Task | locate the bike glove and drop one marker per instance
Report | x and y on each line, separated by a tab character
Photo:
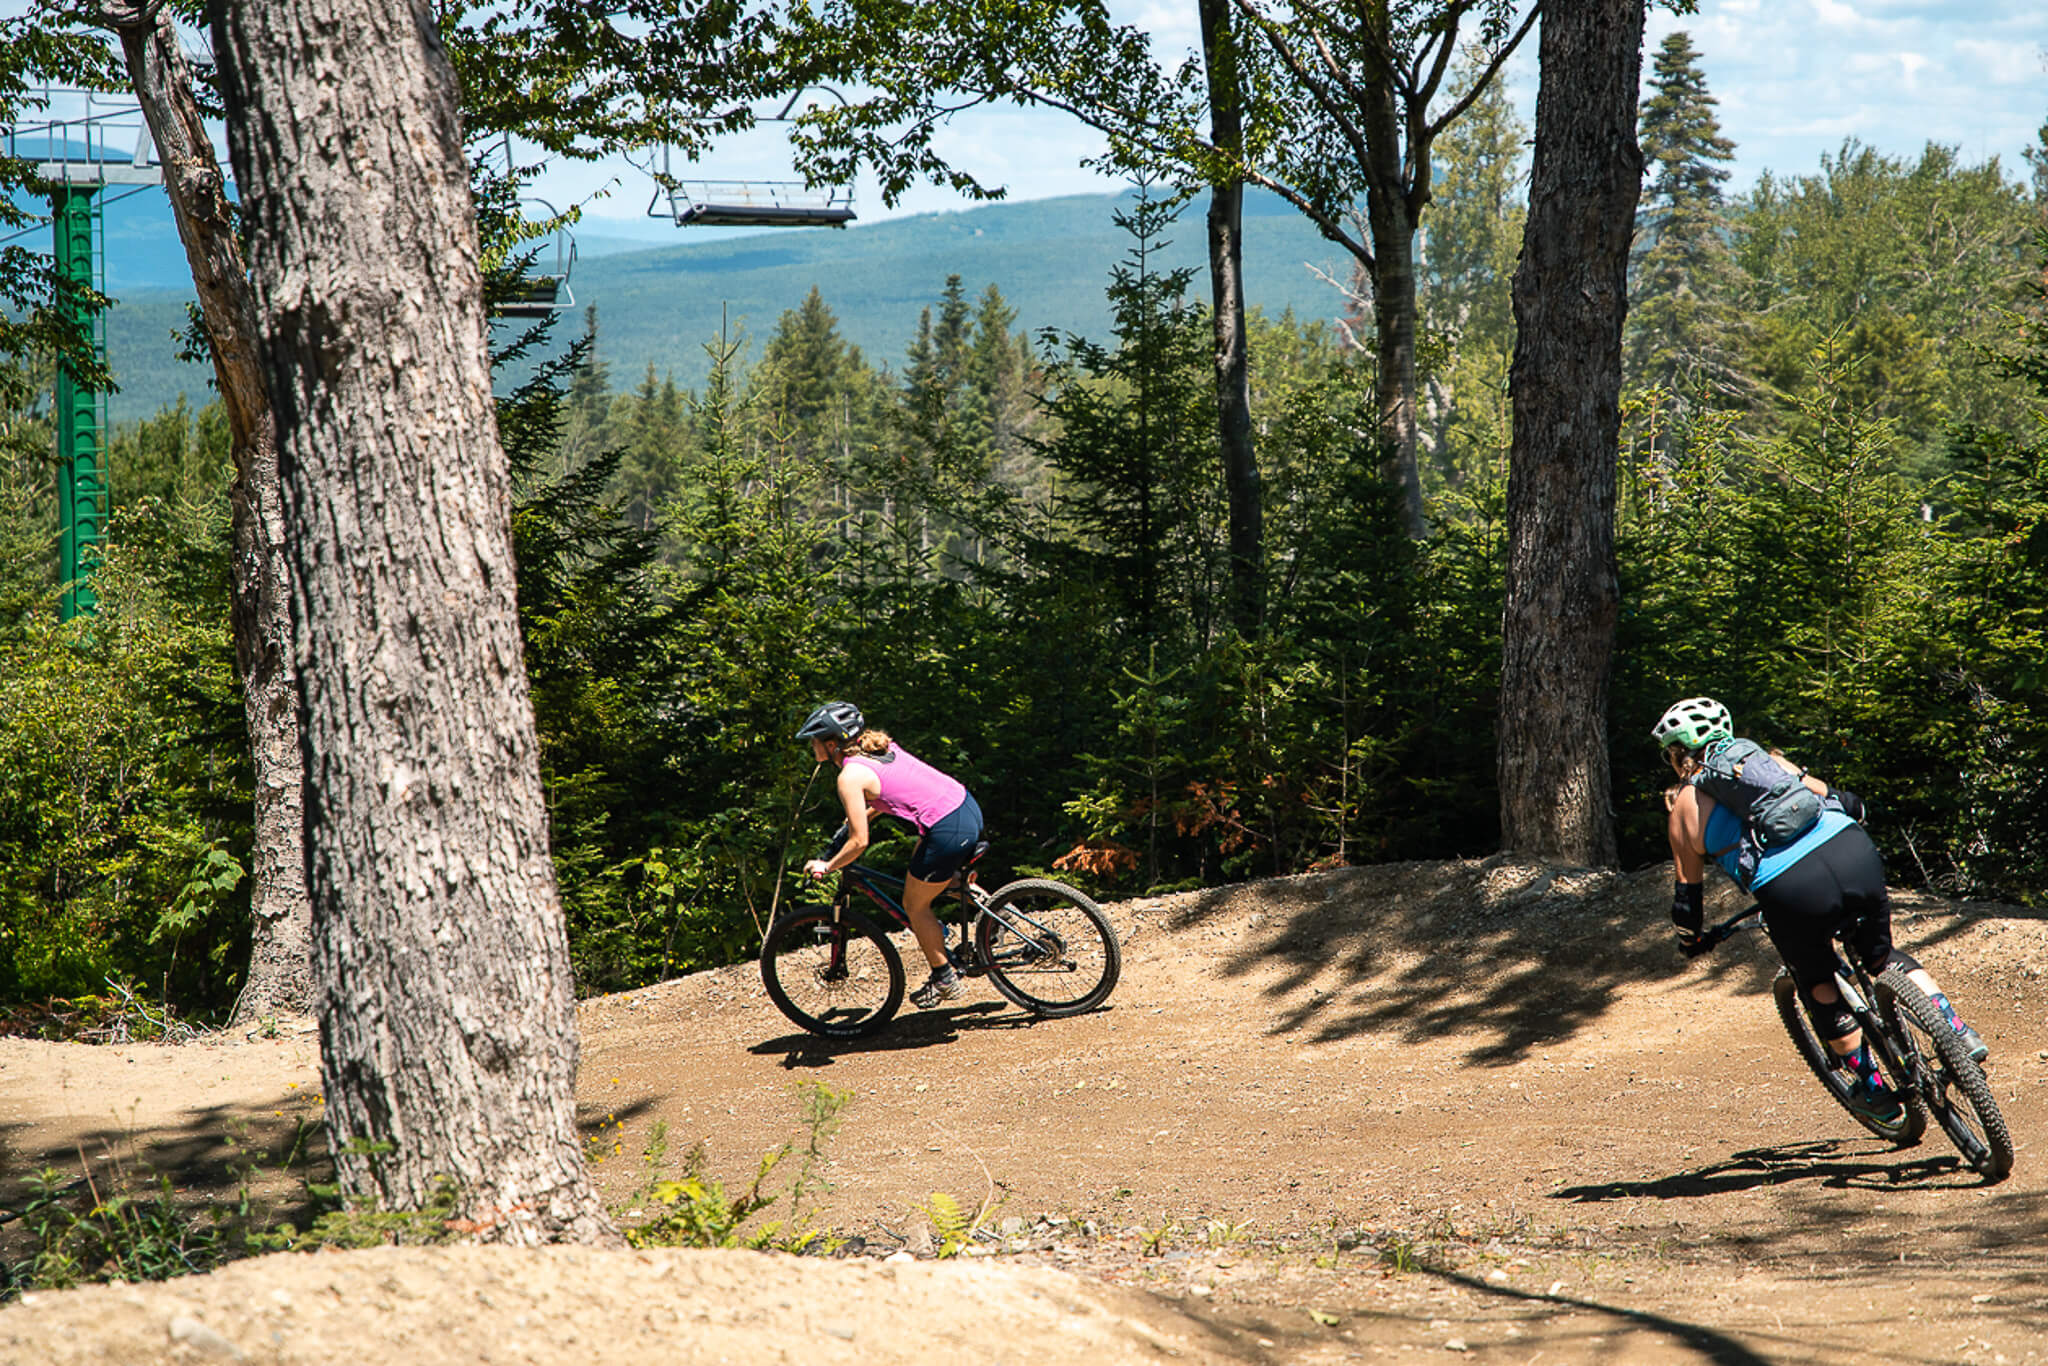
1852	805
1688	906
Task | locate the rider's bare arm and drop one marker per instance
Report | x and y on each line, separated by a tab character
1687	831
857	783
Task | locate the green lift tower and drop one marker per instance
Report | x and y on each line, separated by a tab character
80	413
84	144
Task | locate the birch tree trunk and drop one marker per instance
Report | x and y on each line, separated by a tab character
447	1024
280	975
1570	296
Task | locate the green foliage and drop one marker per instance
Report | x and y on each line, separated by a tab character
1474	238
1136	423
116	1221
1010	555
344	1227
1882	642
694	1210
953	1226
120	737
1909	263
142	1234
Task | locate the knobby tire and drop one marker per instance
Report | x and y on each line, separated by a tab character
1958	1095
1905	1131
1048	948
840	978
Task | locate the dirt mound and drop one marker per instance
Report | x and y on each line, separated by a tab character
1480	1106
438	1307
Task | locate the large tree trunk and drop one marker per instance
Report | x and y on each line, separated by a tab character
1571	296
1241	483
1392	210
447	1024
1393	315
280	975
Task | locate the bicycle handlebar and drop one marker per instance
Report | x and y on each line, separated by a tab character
1712	936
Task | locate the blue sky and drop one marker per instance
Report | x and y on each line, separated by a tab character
1793	77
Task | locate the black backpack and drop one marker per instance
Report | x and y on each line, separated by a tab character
1772	802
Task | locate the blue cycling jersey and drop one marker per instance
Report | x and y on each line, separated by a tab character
1724	844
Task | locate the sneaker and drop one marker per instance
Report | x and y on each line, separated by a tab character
1871	1097
1973	1042
943	985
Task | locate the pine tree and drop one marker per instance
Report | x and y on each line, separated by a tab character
802	375
589	399
648	463
1137	426
1683	323
1000	370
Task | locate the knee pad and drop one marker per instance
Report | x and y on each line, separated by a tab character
1831	1020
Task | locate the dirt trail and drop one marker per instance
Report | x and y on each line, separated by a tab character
1479	1108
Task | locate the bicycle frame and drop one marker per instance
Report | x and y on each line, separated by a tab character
884	891
1857	992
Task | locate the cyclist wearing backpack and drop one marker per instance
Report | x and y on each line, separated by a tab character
877	774
1796	845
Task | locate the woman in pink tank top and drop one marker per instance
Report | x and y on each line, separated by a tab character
877	774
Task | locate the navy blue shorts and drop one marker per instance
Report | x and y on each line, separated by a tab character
942	850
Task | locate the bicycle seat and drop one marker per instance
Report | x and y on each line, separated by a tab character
966	873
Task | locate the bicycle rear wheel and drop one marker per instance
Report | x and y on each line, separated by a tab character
835	976
1955	1089
1905	1131
1049	948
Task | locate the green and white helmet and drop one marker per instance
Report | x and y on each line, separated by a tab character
1694	722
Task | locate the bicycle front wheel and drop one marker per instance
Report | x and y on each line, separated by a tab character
1954	1087
1048	948
837	976
1905	1131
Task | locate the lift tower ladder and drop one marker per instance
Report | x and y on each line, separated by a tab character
78	159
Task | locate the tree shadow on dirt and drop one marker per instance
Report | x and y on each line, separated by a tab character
215	1155
907	1032
1828	1162
1712	1344
593	1120
1513	953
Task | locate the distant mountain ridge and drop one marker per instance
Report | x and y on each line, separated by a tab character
660	306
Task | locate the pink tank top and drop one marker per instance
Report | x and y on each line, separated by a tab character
912	788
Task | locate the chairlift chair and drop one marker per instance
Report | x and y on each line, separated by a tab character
545	287
755	204
752	203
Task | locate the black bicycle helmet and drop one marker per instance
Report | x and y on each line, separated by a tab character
833	721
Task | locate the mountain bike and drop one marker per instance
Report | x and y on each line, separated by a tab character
834	970
1922	1057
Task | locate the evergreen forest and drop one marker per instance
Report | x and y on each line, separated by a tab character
1011	550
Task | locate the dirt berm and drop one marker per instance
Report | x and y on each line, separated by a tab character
1477	1111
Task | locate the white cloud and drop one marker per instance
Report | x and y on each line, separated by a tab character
1998	63
1835	14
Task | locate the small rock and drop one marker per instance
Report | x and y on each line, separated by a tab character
900	1255
1497	1276
1456	1345
204	1340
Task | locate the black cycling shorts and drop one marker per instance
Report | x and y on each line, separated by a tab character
943	850
1839	884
